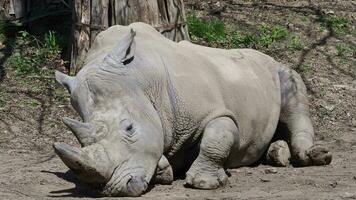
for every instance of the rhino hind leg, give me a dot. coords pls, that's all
(207, 171)
(295, 114)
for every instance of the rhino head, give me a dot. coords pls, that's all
(121, 133)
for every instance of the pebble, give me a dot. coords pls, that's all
(271, 171)
(354, 82)
(333, 184)
(348, 195)
(265, 180)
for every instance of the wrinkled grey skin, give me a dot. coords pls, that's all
(151, 106)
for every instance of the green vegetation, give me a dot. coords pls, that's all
(210, 30)
(61, 95)
(245, 40)
(215, 33)
(343, 50)
(33, 103)
(295, 44)
(51, 41)
(344, 53)
(269, 35)
(32, 55)
(339, 25)
(2, 38)
(2, 102)
(305, 68)
(304, 19)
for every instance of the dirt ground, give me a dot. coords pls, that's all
(30, 118)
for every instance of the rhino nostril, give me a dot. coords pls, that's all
(137, 185)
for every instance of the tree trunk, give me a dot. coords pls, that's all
(167, 16)
(12, 9)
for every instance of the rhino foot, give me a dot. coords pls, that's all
(278, 154)
(207, 170)
(164, 172)
(206, 180)
(319, 155)
(314, 156)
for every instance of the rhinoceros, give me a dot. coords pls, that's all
(153, 109)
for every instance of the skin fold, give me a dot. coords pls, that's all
(153, 108)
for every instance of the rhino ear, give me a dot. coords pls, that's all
(124, 51)
(65, 80)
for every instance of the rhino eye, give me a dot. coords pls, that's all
(128, 127)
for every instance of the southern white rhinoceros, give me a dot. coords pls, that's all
(153, 108)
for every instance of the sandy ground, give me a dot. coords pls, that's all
(31, 177)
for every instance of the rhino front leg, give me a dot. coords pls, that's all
(207, 171)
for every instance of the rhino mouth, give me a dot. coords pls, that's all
(126, 182)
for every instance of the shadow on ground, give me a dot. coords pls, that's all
(80, 190)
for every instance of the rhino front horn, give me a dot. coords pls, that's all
(79, 162)
(83, 131)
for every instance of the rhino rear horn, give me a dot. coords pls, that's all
(124, 51)
(65, 80)
(84, 132)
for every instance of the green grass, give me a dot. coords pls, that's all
(304, 19)
(2, 38)
(2, 102)
(215, 32)
(305, 68)
(344, 53)
(295, 44)
(339, 25)
(24, 65)
(32, 54)
(210, 30)
(33, 103)
(271, 34)
(51, 41)
(343, 50)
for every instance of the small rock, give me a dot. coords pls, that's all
(348, 195)
(290, 25)
(354, 177)
(329, 12)
(329, 107)
(271, 171)
(333, 184)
